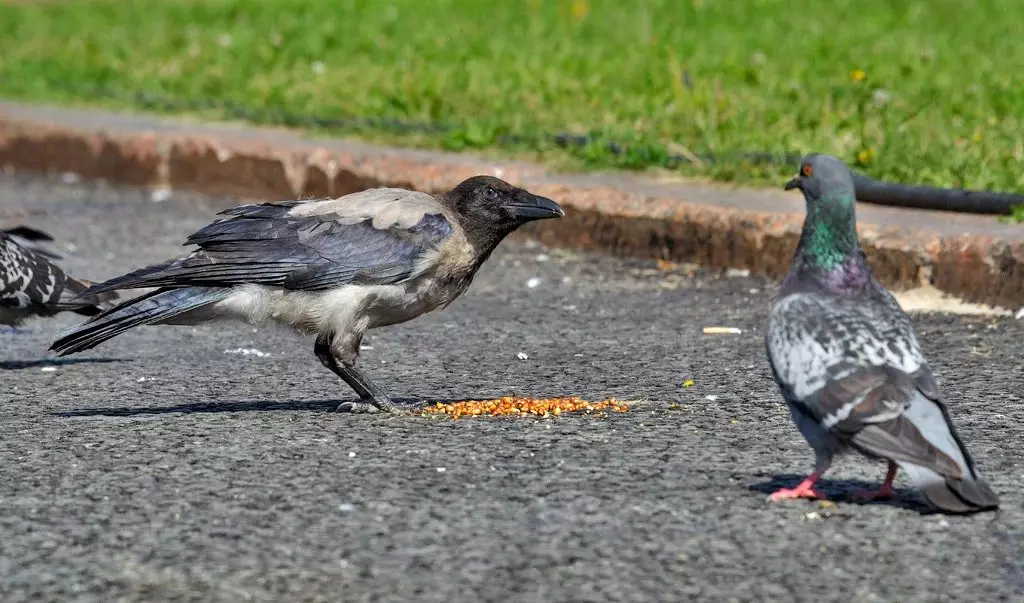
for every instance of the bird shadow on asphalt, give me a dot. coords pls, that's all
(409, 404)
(841, 490)
(15, 365)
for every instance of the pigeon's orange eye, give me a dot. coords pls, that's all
(807, 170)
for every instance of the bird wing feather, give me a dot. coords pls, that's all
(270, 244)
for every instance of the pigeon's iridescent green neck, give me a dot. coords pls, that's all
(829, 237)
(829, 252)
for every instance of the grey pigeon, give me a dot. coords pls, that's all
(331, 268)
(36, 240)
(848, 362)
(32, 285)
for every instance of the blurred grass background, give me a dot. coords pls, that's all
(928, 92)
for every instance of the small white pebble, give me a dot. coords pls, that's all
(48, 369)
(566, 280)
(711, 397)
(351, 455)
(523, 356)
(543, 257)
(141, 379)
(943, 523)
(70, 178)
(159, 195)
(248, 352)
(533, 283)
(812, 515)
(737, 272)
(366, 347)
(441, 470)
(346, 507)
(755, 291)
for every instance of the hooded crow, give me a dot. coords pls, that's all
(32, 285)
(330, 268)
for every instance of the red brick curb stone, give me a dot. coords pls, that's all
(973, 257)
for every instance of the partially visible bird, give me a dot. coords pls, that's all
(848, 362)
(36, 240)
(331, 268)
(32, 285)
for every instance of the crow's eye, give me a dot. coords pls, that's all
(490, 193)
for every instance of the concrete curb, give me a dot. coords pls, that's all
(973, 257)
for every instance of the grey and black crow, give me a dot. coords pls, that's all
(847, 360)
(331, 268)
(32, 285)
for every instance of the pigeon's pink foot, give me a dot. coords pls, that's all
(804, 490)
(885, 491)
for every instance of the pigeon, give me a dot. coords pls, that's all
(847, 360)
(36, 240)
(32, 285)
(329, 268)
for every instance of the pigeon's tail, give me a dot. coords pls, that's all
(155, 307)
(924, 443)
(72, 300)
(950, 494)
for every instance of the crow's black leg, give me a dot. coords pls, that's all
(372, 398)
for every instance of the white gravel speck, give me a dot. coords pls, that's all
(247, 352)
(48, 369)
(533, 283)
(351, 455)
(160, 194)
(523, 356)
(441, 469)
(346, 507)
(711, 397)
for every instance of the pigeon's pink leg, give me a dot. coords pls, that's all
(885, 491)
(804, 489)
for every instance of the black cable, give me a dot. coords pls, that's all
(931, 197)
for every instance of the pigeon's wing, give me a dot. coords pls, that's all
(27, 278)
(381, 236)
(855, 367)
(30, 282)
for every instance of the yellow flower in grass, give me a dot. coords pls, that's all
(858, 75)
(866, 156)
(580, 9)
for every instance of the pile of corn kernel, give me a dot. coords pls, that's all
(522, 407)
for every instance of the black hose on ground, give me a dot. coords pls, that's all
(930, 197)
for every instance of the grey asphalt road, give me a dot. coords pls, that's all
(167, 465)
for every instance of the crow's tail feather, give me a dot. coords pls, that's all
(150, 308)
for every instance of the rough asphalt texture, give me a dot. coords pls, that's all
(162, 467)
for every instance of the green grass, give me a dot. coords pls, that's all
(941, 101)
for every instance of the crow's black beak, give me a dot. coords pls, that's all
(532, 207)
(794, 183)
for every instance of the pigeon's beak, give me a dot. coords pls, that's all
(533, 207)
(794, 183)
